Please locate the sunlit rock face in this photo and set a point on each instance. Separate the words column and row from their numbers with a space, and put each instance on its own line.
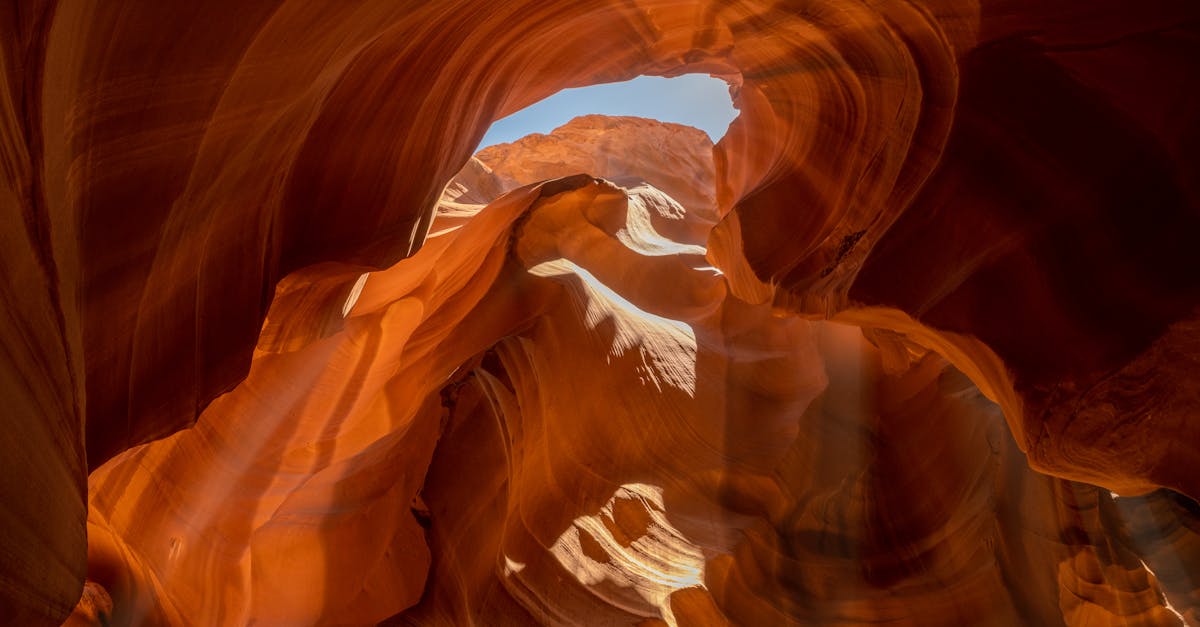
column 923, row 352
column 674, row 158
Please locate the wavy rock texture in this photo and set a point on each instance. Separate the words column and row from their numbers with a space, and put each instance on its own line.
column 928, row 357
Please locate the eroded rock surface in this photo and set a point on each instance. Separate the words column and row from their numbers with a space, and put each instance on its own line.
column 674, row 158
column 923, row 352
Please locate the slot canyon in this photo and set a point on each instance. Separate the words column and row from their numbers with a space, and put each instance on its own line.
column 917, row 342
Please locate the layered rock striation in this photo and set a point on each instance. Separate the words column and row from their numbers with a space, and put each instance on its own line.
column 919, row 344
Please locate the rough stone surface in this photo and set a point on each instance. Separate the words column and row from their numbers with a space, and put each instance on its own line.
column 629, row 151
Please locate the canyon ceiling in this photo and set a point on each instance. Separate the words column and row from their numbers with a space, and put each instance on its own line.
column 917, row 342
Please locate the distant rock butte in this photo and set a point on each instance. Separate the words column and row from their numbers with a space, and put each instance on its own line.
column 676, row 159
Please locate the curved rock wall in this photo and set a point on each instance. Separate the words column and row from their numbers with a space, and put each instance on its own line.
column 629, row 448
column 190, row 197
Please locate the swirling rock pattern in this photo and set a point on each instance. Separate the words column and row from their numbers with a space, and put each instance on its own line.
column 929, row 357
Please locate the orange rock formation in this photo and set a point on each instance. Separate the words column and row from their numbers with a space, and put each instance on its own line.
column 919, row 345
column 629, row 151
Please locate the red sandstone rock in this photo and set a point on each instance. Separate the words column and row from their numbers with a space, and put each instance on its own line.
column 952, row 280
column 673, row 158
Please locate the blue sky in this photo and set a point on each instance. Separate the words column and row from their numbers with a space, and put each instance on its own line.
column 694, row 99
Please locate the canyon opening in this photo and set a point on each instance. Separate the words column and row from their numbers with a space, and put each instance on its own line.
column 306, row 325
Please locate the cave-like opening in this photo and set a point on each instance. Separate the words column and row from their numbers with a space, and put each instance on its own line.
column 697, row 100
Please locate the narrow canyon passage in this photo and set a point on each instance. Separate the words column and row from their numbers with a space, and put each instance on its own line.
column 916, row 342
column 656, row 448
